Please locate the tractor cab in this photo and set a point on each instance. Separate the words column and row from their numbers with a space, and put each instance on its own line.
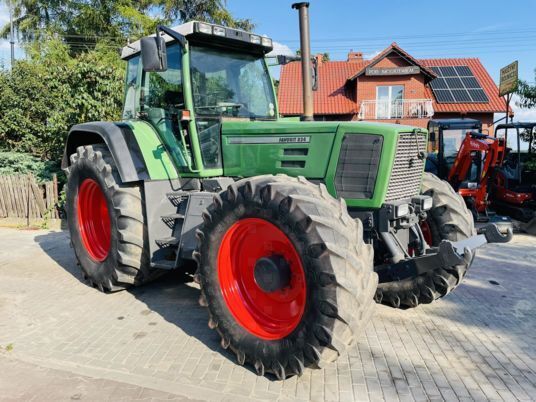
column 189, row 79
column 520, row 162
column 445, row 139
column 514, row 184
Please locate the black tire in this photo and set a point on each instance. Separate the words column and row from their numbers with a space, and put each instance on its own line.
column 449, row 219
column 338, row 268
column 127, row 262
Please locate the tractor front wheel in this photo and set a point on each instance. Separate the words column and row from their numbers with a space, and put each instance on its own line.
column 285, row 274
column 449, row 219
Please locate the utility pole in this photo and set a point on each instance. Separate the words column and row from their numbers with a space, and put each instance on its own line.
column 11, row 34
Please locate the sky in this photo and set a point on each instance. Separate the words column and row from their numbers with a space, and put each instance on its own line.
column 496, row 31
column 424, row 28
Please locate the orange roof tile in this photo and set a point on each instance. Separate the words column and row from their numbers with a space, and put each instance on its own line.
column 332, row 96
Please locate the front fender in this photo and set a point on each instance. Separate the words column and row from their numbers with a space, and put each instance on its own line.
column 136, row 149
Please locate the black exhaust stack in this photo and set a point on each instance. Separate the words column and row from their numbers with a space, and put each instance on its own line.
column 305, row 45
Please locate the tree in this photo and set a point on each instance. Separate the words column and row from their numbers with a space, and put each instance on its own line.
column 83, row 23
column 42, row 97
column 527, row 94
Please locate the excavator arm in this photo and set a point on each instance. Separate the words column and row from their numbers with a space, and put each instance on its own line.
column 473, row 142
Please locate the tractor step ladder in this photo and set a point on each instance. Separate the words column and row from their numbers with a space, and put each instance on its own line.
column 175, row 222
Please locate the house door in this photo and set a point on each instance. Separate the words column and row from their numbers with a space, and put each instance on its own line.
column 389, row 102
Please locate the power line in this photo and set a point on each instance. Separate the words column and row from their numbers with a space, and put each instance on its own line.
column 442, row 35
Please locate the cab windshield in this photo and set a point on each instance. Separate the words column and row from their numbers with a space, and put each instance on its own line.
column 230, row 84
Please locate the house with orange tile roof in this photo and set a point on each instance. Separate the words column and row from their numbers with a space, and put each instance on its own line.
column 394, row 87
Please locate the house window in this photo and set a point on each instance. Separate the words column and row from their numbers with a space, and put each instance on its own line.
column 389, row 102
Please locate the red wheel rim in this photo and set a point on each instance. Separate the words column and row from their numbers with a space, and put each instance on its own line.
column 266, row 315
column 94, row 220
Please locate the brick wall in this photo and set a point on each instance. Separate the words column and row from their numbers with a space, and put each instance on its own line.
column 413, row 84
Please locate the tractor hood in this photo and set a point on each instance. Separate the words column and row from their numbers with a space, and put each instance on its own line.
column 313, row 150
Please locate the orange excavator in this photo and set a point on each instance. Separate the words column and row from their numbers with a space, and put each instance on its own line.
column 473, row 167
column 464, row 156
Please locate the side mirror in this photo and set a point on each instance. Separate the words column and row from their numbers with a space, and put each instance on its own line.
column 153, row 54
column 431, row 136
column 284, row 59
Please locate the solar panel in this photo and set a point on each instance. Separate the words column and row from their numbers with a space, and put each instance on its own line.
column 444, row 96
column 454, row 83
column 440, row 83
column 463, row 71
column 437, row 70
column 457, row 84
column 478, row 95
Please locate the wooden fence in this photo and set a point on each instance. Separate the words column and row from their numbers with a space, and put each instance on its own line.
column 24, row 201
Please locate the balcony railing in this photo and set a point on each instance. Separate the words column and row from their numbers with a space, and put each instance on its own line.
column 396, row 109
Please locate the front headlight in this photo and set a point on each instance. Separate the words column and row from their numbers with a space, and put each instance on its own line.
column 401, row 210
column 422, row 203
column 218, row 31
column 255, row 39
column 267, row 42
column 205, row 28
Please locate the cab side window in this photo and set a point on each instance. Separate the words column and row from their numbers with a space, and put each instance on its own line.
column 129, row 111
column 164, row 90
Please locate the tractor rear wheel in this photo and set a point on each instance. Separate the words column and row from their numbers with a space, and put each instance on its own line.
column 449, row 219
column 106, row 221
column 285, row 274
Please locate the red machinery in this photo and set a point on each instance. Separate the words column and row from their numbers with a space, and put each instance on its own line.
column 466, row 158
column 514, row 182
column 476, row 160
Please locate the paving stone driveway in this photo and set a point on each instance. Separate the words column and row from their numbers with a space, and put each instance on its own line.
column 479, row 343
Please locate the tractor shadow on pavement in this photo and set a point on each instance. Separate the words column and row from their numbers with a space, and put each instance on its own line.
column 173, row 296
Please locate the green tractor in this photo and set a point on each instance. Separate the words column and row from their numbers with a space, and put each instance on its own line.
column 292, row 229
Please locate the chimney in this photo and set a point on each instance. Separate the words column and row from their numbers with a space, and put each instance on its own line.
column 355, row 57
column 319, row 58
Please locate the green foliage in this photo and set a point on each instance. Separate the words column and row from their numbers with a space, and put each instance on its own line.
column 84, row 23
column 530, row 164
column 41, row 98
column 19, row 163
column 73, row 73
column 527, row 94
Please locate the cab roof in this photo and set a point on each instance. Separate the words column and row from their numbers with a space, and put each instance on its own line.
column 230, row 36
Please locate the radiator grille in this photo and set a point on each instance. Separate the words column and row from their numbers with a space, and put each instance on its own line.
column 357, row 167
column 406, row 176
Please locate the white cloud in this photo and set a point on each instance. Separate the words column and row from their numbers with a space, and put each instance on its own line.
column 280, row 49
column 524, row 114
column 519, row 113
column 491, row 28
column 369, row 56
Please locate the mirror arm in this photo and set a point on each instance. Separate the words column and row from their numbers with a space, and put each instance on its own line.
column 175, row 35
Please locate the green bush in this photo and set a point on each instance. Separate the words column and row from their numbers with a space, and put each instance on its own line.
column 19, row 163
column 42, row 97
